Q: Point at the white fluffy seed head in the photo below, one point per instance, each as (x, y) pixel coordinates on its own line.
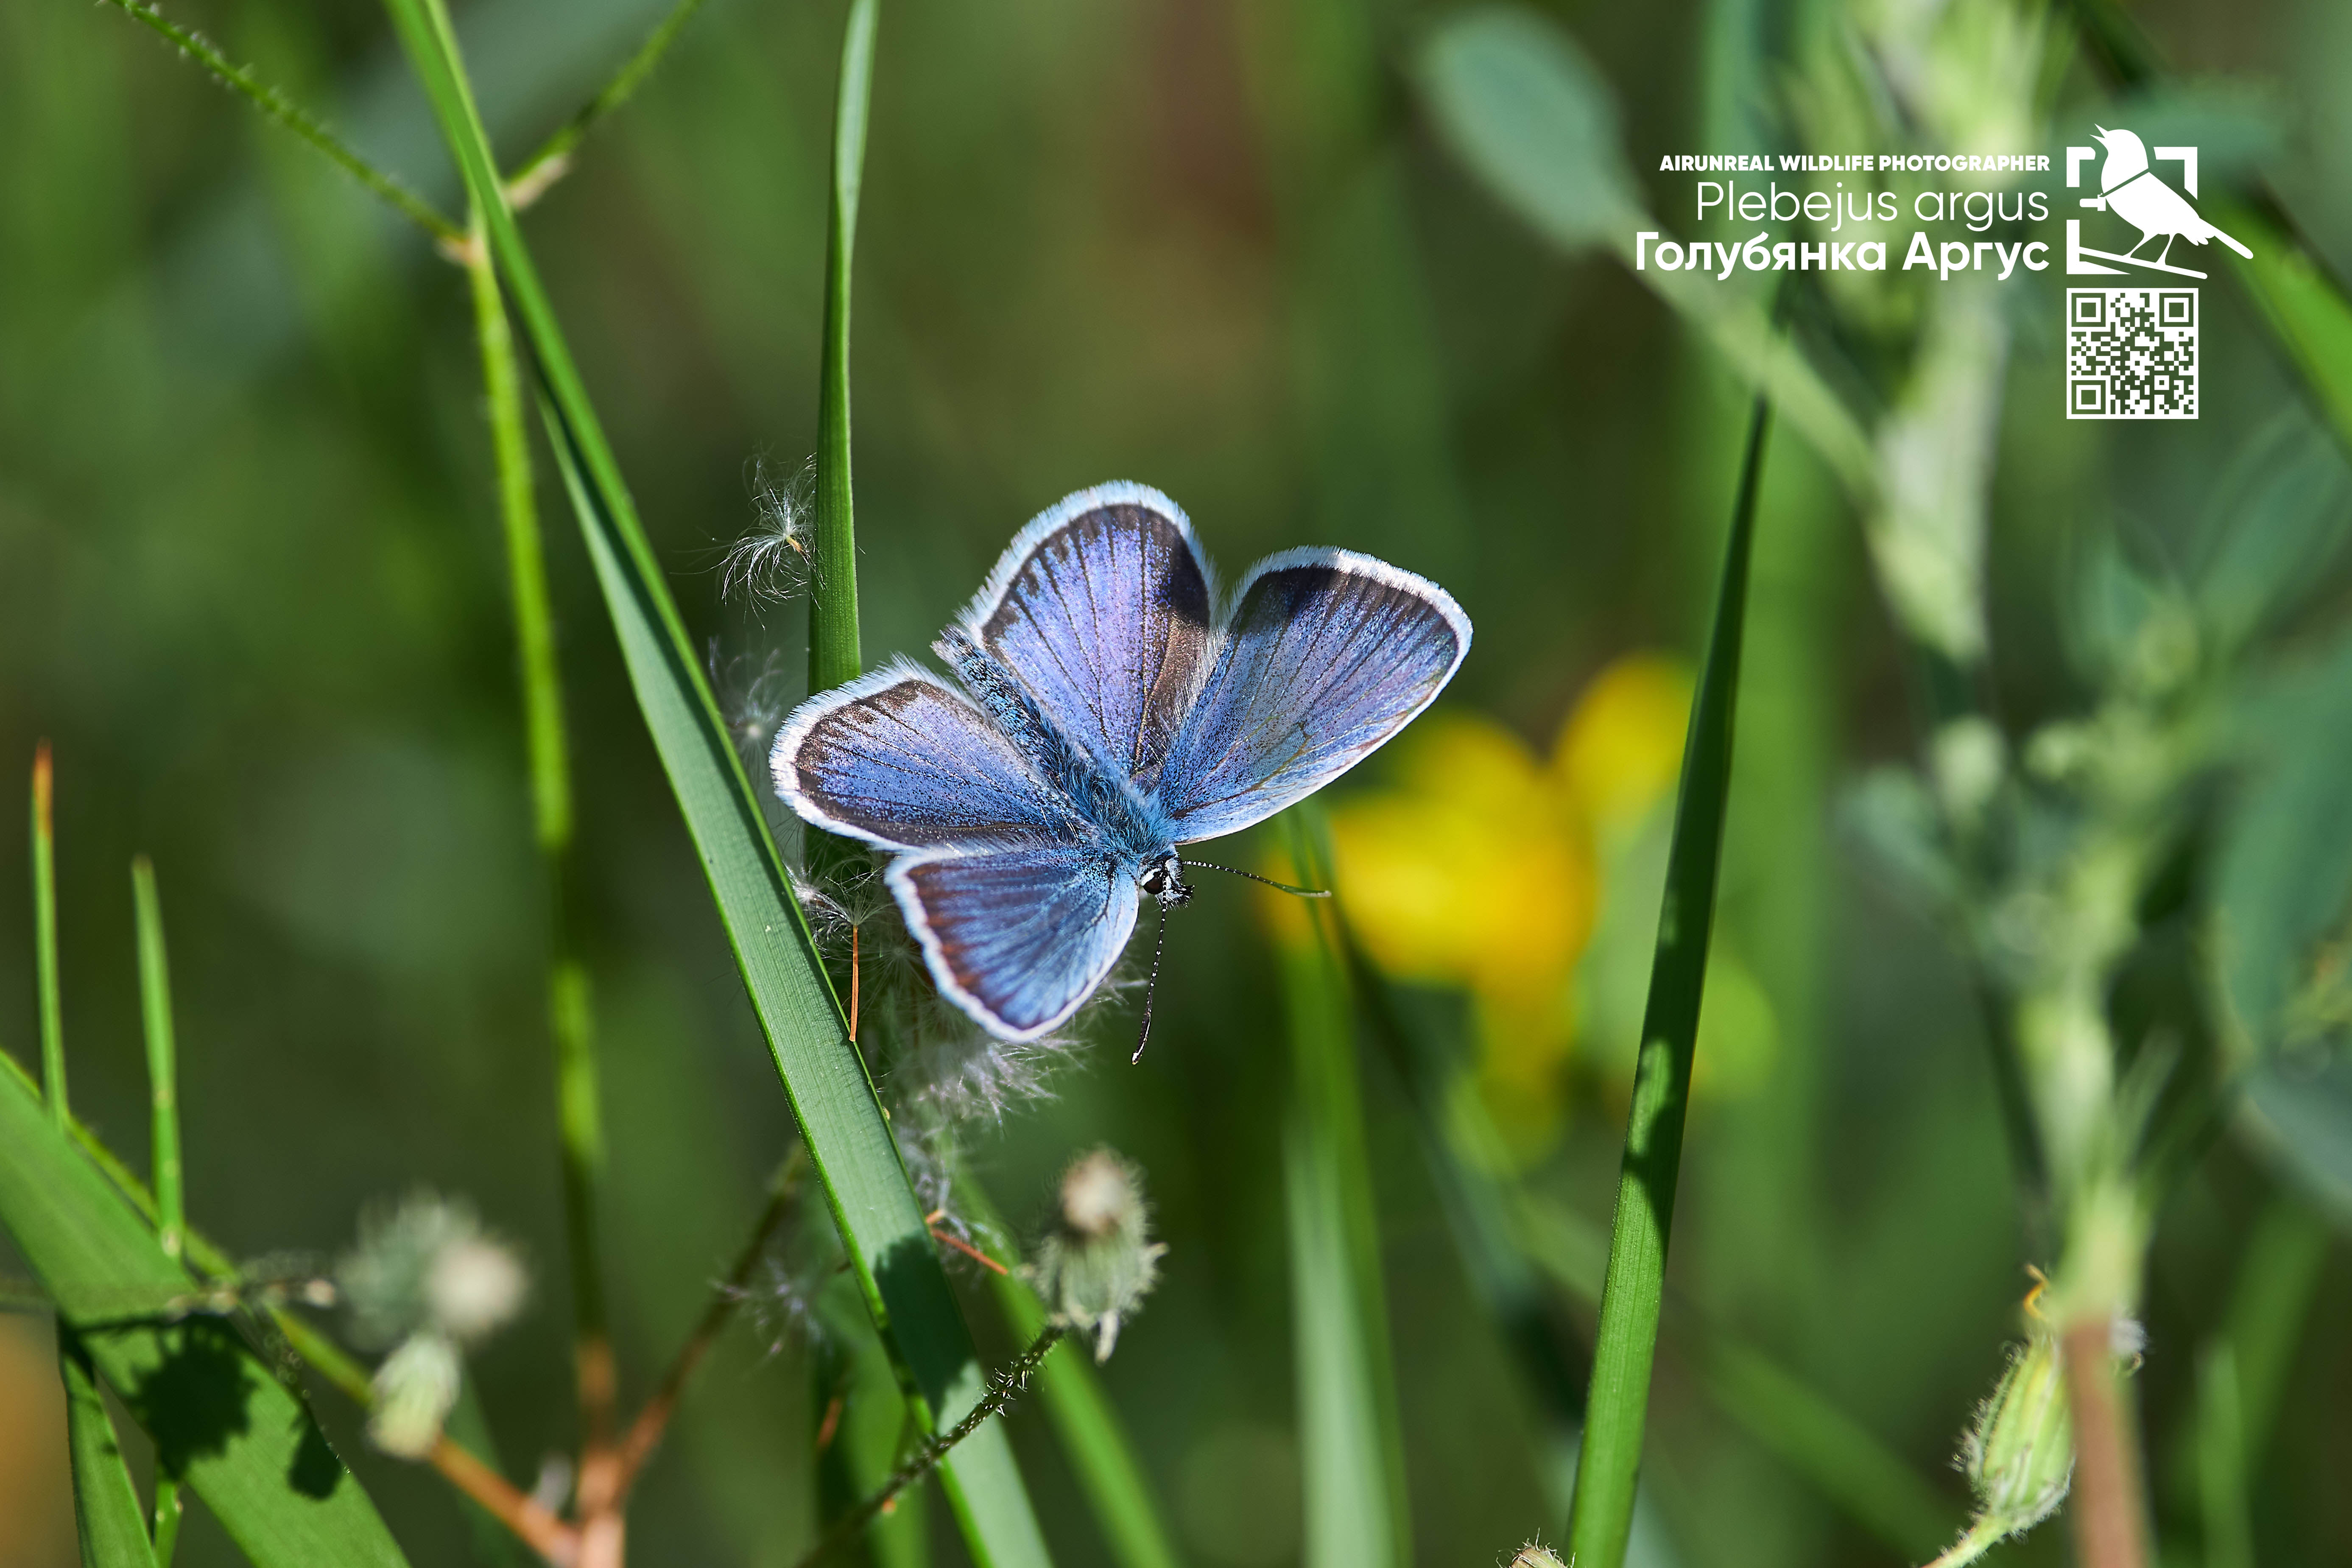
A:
(475, 1286)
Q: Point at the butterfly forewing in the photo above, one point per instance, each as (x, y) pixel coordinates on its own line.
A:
(1328, 654)
(898, 759)
(1018, 938)
(1102, 609)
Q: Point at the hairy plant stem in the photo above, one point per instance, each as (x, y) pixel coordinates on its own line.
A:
(282, 110)
(1001, 1386)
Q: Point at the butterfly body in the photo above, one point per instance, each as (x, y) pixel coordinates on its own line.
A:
(1105, 714)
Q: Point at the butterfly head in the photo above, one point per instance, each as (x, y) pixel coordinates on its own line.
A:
(1163, 879)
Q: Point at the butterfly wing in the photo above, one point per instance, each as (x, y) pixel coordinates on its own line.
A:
(1017, 937)
(1101, 608)
(899, 759)
(1327, 655)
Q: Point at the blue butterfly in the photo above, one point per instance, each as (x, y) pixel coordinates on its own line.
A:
(1112, 708)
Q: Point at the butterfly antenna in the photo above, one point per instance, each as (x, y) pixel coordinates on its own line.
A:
(1149, 987)
(1228, 870)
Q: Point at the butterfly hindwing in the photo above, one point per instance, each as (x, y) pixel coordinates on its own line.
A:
(899, 759)
(1017, 937)
(1325, 655)
(1101, 608)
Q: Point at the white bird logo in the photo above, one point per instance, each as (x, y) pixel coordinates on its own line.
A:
(2134, 193)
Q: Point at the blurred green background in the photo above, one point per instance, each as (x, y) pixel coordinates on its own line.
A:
(251, 586)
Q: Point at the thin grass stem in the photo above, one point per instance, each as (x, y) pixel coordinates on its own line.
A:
(163, 1066)
(834, 652)
(836, 655)
(570, 1010)
(850, 1147)
(554, 159)
(168, 1509)
(1625, 1344)
(283, 111)
(1352, 1435)
(645, 1432)
(163, 1094)
(45, 938)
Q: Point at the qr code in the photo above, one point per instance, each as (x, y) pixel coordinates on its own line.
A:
(2131, 353)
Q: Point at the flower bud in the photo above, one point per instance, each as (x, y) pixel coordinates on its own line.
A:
(414, 1389)
(1099, 1261)
(1536, 1554)
(2020, 1453)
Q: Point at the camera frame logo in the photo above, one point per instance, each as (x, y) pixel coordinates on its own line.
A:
(2131, 352)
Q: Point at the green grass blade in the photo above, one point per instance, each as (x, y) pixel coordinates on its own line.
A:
(1088, 1425)
(834, 652)
(1626, 1342)
(106, 1503)
(2304, 305)
(218, 1413)
(873, 1206)
(1349, 1432)
(1828, 1447)
(163, 1059)
(44, 937)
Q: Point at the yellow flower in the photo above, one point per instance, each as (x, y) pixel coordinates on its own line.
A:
(1534, 889)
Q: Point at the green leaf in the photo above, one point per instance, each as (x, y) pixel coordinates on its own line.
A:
(1521, 105)
(1527, 113)
(2304, 306)
(219, 1415)
(1349, 1432)
(106, 1503)
(1626, 1343)
(873, 1204)
(2282, 881)
(2300, 1107)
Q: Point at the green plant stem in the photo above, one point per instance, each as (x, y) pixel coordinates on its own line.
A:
(168, 1507)
(928, 1454)
(1625, 1344)
(44, 937)
(276, 107)
(1091, 1434)
(163, 1067)
(833, 653)
(874, 1206)
(164, 1091)
(1350, 1434)
(554, 159)
(570, 1019)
